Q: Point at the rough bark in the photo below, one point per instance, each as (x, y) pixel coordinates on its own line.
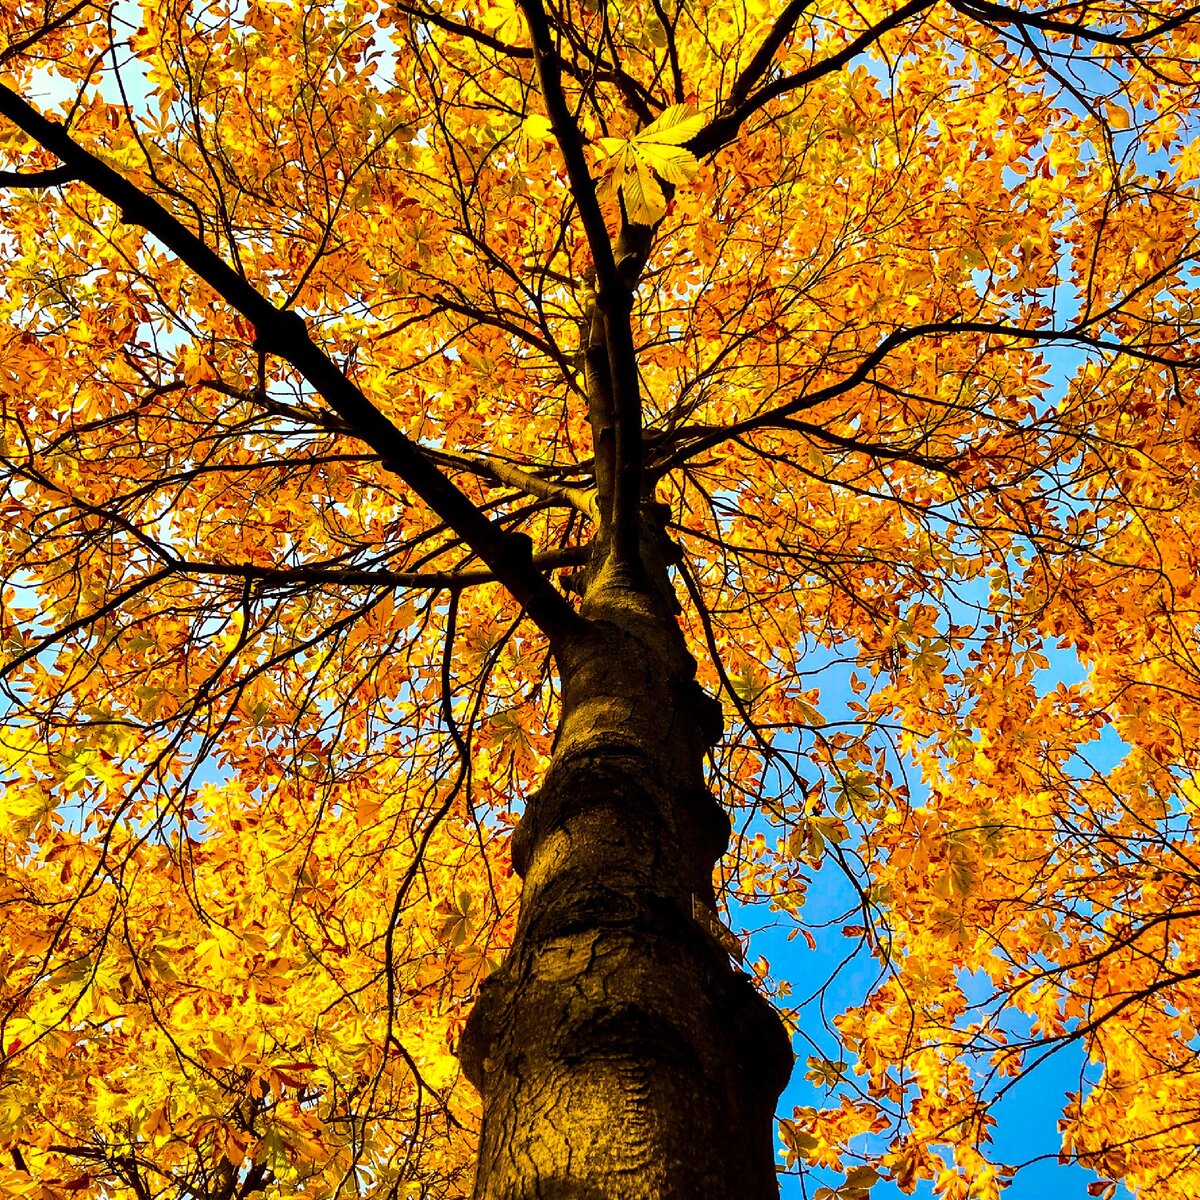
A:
(618, 1052)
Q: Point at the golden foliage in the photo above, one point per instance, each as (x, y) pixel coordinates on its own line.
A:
(263, 744)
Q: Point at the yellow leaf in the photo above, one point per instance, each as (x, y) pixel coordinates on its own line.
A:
(503, 19)
(673, 163)
(1118, 116)
(536, 127)
(672, 127)
(656, 152)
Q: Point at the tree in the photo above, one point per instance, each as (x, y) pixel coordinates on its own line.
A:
(431, 432)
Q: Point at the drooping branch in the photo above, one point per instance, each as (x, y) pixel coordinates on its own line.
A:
(115, 602)
(285, 334)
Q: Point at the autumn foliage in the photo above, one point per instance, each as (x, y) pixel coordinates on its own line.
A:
(914, 309)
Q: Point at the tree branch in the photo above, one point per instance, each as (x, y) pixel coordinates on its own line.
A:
(871, 449)
(669, 24)
(11, 51)
(601, 410)
(583, 500)
(106, 609)
(430, 16)
(628, 451)
(723, 129)
(613, 294)
(54, 177)
(570, 556)
(285, 334)
(601, 70)
(699, 438)
(986, 9)
(741, 105)
(761, 62)
(570, 144)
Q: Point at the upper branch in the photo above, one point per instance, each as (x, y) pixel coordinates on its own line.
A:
(635, 96)
(570, 143)
(698, 438)
(743, 103)
(613, 297)
(723, 128)
(986, 9)
(422, 12)
(15, 48)
(761, 62)
(686, 442)
(286, 335)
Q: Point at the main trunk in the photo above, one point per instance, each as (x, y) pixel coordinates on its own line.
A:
(618, 1052)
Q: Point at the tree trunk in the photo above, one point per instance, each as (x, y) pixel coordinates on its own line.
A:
(618, 1052)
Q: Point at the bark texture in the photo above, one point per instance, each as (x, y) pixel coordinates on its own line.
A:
(618, 1052)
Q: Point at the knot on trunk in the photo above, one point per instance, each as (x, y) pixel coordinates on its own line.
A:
(610, 808)
(705, 710)
(763, 1043)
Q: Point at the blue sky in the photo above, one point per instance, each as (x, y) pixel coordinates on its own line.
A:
(1026, 1130)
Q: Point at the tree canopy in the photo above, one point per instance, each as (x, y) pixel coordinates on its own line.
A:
(342, 344)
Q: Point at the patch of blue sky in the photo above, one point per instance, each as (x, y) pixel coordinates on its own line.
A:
(840, 972)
